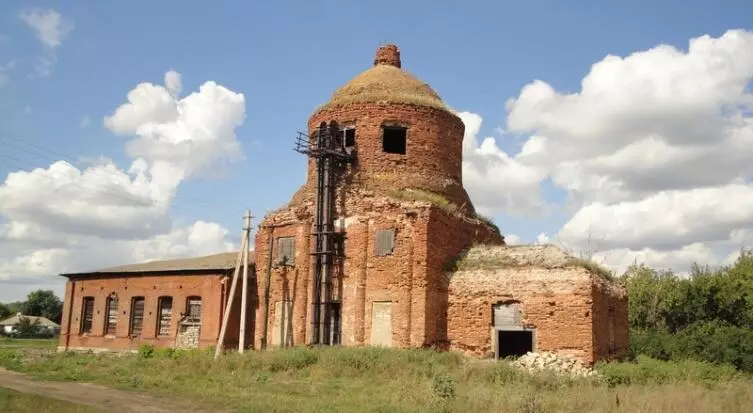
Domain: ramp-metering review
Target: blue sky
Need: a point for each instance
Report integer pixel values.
(287, 57)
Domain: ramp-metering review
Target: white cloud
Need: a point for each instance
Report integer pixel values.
(512, 239)
(65, 218)
(51, 29)
(638, 117)
(543, 239)
(50, 26)
(173, 82)
(653, 152)
(494, 180)
(85, 122)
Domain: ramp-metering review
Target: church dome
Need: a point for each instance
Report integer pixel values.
(386, 82)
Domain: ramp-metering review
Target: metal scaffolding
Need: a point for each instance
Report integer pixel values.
(326, 147)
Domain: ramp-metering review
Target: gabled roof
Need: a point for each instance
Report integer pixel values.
(13, 320)
(222, 261)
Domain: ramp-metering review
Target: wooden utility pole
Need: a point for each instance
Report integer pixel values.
(231, 295)
(244, 292)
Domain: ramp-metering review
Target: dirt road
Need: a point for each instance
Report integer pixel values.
(90, 394)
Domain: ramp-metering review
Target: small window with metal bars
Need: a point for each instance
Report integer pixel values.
(87, 315)
(286, 251)
(193, 310)
(164, 315)
(137, 316)
(111, 320)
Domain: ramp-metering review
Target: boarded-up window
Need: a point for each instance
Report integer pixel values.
(137, 316)
(164, 315)
(286, 251)
(385, 242)
(507, 315)
(282, 328)
(111, 321)
(381, 324)
(87, 314)
(193, 310)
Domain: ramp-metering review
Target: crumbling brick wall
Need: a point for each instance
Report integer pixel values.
(209, 287)
(433, 159)
(565, 303)
(611, 329)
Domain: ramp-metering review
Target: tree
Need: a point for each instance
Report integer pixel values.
(25, 328)
(43, 303)
(5, 311)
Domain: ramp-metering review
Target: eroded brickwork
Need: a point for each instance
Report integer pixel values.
(211, 287)
(568, 309)
(557, 303)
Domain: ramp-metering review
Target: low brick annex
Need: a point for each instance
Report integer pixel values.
(170, 303)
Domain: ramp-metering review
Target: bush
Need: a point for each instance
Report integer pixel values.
(717, 342)
(146, 351)
(646, 370)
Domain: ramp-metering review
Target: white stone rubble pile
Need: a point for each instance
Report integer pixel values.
(551, 362)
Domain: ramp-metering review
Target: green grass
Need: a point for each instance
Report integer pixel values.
(389, 380)
(6, 342)
(15, 402)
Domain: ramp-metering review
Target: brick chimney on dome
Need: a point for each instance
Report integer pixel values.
(388, 54)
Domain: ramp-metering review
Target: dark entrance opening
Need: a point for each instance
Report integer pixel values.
(514, 343)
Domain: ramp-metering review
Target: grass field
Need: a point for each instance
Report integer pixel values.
(381, 380)
(6, 342)
(14, 402)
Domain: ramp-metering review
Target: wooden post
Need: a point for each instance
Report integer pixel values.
(229, 305)
(244, 292)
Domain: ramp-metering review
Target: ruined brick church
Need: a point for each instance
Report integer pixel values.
(381, 246)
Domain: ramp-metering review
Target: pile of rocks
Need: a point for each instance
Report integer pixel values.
(551, 362)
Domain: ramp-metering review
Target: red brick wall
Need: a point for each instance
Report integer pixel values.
(426, 240)
(286, 282)
(208, 286)
(610, 301)
(433, 154)
(557, 302)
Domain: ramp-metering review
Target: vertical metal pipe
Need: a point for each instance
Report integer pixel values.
(267, 281)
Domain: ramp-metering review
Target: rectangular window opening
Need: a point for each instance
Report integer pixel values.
(111, 322)
(385, 242)
(164, 316)
(87, 315)
(350, 137)
(286, 251)
(193, 310)
(394, 139)
(137, 316)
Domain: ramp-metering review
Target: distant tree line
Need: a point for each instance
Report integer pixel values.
(706, 315)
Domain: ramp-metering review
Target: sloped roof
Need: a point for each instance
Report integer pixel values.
(222, 261)
(483, 257)
(386, 84)
(13, 320)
